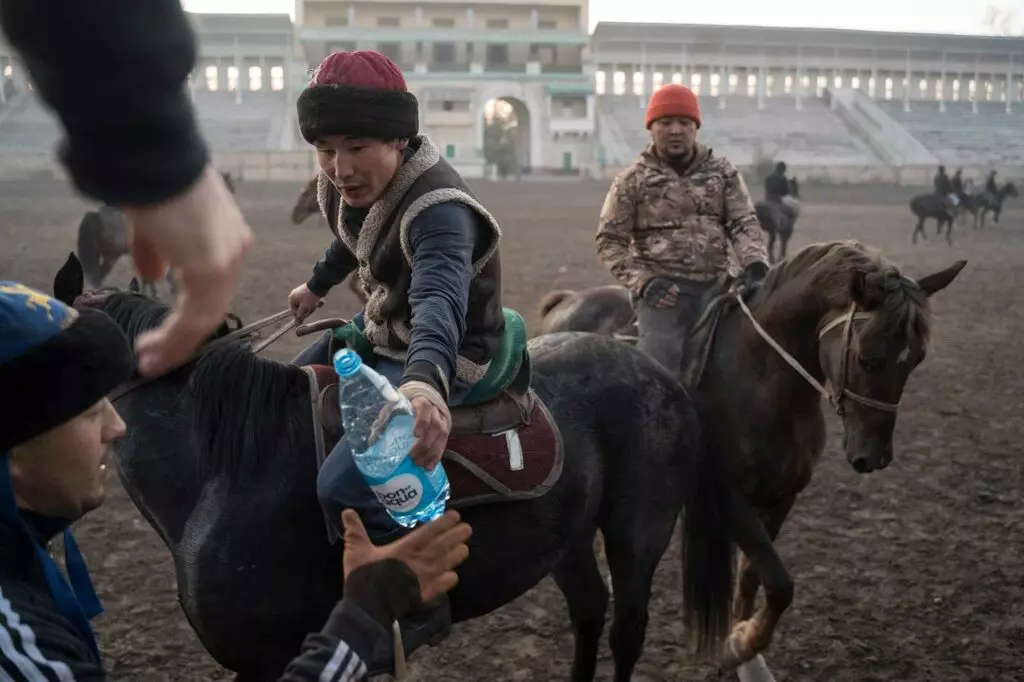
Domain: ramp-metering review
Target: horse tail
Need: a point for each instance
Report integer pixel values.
(707, 539)
(88, 246)
(552, 299)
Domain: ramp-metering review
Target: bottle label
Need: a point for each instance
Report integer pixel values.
(403, 490)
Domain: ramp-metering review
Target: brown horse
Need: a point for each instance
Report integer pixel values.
(836, 313)
(103, 239)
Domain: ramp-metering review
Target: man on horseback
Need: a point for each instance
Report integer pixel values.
(990, 184)
(426, 252)
(778, 191)
(668, 222)
(55, 448)
(944, 189)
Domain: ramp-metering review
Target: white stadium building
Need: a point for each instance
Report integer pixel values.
(837, 105)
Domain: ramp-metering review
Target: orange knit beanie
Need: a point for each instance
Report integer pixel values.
(673, 100)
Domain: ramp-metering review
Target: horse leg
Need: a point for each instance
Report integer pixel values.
(752, 636)
(918, 230)
(784, 239)
(633, 552)
(578, 577)
(949, 232)
(771, 246)
(749, 582)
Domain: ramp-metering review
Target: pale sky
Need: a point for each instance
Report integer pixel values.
(931, 16)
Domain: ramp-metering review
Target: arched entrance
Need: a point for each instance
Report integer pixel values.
(507, 135)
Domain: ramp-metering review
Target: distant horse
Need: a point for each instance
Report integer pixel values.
(932, 205)
(306, 204)
(837, 313)
(103, 239)
(775, 220)
(604, 310)
(987, 201)
(220, 456)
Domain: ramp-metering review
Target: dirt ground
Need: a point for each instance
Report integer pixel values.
(913, 573)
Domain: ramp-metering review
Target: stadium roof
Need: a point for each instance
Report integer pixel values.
(240, 23)
(622, 34)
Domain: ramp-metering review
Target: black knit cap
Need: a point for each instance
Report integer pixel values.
(358, 94)
(55, 362)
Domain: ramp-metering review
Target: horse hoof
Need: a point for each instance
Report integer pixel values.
(732, 656)
(755, 670)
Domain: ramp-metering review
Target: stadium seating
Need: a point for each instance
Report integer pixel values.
(959, 136)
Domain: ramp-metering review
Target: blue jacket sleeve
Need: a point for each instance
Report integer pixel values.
(442, 238)
(332, 269)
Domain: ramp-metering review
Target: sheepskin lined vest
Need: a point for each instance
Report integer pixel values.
(383, 250)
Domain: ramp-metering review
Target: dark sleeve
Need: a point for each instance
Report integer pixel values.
(115, 72)
(442, 238)
(37, 643)
(332, 269)
(338, 651)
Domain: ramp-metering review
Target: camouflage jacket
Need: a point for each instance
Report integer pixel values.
(657, 223)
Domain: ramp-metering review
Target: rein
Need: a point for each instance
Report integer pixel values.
(839, 392)
(248, 333)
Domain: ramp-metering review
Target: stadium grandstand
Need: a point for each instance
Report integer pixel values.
(522, 88)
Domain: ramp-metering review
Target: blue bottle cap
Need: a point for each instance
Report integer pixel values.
(347, 362)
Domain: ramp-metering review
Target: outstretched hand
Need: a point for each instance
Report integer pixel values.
(432, 551)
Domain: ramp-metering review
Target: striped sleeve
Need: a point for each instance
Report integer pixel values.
(337, 653)
(40, 646)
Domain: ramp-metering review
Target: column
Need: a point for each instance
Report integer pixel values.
(1009, 85)
(799, 78)
(723, 84)
(352, 14)
(910, 85)
(978, 89)
(942, 76)
(760, 84)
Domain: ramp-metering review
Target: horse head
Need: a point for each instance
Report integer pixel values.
(307, 203)
(869, 344)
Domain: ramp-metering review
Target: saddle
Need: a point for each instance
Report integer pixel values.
(716, 302)
(503, 450)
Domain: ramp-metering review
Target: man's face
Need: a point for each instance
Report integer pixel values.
(673, 136)
(361, 168)
(61, 473)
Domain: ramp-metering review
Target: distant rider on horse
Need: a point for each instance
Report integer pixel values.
(944, 189)
(780, 191)
(426, 253)
(667, 224)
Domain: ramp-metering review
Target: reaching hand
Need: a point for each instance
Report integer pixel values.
(432, 551)
(203, 235)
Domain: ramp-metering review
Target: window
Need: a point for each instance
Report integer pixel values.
(497, 23)
(212, 81)
(388, 22)
(448, 105)
(547, 25)
(255, 78)
(392, 51)
(336, 21)
(443, 22)
(449, 151)
(232, 78)
(444, 53)
(600, 82)
(497, 54)
(277, 78)
(715, 81)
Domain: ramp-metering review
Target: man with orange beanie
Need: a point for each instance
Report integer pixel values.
(667, 223)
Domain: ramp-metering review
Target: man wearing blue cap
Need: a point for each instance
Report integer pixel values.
(57, 365)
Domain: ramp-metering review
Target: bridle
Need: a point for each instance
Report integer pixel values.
(836, 397)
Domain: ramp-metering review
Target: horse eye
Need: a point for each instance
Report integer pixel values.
(870, 365)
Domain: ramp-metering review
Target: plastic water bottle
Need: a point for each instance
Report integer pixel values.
(410, 493)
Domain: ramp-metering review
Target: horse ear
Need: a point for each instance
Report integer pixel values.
(938, 281)
(134, 286)
(69, 282)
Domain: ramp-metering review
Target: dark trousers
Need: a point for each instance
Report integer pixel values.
(664, 332)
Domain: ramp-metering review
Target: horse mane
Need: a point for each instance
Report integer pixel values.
(832, 270)
(246, 412)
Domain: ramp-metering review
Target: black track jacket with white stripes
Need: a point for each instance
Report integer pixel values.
(37, 644)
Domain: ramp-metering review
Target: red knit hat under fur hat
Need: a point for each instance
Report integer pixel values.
(357, 94)
(673, 100)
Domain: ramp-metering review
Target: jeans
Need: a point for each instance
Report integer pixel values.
(340, 485)
(664, 332)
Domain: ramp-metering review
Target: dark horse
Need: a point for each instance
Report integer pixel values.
(103, 239)
(932, 205)
(219, 458)
(985, 202)
(775, 220)
(845, 315)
